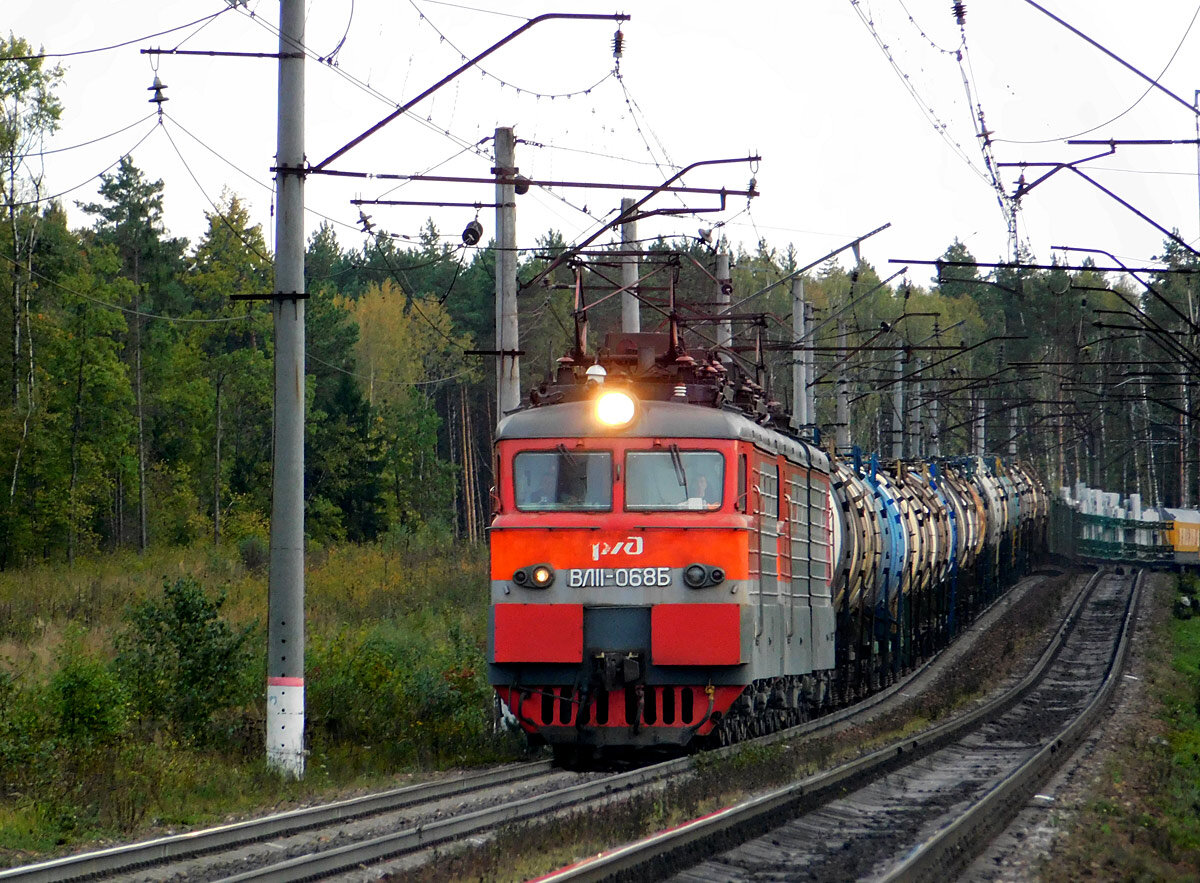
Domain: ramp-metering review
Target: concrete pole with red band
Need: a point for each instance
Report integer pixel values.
(285, 589)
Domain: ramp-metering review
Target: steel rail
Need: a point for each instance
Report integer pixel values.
(634, 860)
(420, 836)
(162, 849)
(949, 850)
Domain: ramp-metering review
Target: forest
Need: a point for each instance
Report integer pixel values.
(137, 388)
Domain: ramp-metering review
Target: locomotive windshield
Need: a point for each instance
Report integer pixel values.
(563, 481)
(674, 479)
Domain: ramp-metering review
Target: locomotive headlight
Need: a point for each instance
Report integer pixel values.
(697, 576)
(615, 408)
(540, 576)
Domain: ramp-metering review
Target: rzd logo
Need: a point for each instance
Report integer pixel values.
(627, 546)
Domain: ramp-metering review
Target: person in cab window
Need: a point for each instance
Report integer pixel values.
(545, 493)
(536, 490)
(701, 497)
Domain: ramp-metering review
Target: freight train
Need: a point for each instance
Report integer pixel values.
(671, 567)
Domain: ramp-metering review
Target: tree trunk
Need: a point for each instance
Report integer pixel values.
(452, 432)
(21, 297)
(76, 430)
(217, 468)
(143, 534)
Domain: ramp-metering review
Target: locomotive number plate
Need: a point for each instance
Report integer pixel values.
(622, 577)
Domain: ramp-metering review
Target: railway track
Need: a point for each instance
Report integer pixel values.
(917, 809)
(325, 840)
(164, 853)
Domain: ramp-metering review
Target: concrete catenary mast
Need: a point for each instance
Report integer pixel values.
(508, 365)
(285, 589)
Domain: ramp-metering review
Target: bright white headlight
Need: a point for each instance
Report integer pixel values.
(614, 408)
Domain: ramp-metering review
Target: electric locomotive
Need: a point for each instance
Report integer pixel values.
(667, 568)
(654, 555)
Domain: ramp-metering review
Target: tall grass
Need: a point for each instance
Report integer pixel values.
(395, 683)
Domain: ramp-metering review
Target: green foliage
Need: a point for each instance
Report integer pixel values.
(24, 728)
(29, 109)
(89, 702)
(254, 552)
(410, 697)
(1188, 583)
(182, 662)
(176, 514)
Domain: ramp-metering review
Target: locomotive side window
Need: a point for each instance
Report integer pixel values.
(822, 541)
(674, 479)
(768, 517)
(800, 518)
(563, 481)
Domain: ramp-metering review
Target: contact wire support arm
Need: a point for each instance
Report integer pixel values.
(632, 211)
(404, 108)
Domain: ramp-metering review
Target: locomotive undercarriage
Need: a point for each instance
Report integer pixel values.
(619, 707)
(771, 704)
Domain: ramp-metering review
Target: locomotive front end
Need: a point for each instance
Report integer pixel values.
(619, 611)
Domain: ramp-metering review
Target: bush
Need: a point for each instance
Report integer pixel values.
(89, 703)
(174, 509)
(181, 661)
(397, 692)
(254, 552)
(24, 732)
(1188, 583)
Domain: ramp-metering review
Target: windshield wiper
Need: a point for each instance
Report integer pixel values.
(677, 462)
(572, 459)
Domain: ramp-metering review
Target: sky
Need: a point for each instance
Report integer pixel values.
(863, 113)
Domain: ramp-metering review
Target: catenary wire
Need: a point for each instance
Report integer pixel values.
(217, 211)
(263, 184)
(427, 123)
(86, 143)
(1136, 102)
(477, 9)
(441, 34)
(89, 180)
(941, 128)
(376, 380)
(205, 19)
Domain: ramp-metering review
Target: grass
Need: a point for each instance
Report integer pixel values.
(1142, 821)
(395, 675)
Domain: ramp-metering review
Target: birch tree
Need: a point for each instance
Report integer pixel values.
(29, 113)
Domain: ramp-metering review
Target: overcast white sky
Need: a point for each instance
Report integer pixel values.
(845, 147)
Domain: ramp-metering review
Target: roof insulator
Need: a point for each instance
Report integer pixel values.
(158, 97)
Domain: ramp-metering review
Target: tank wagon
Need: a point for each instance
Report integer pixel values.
(668, 567)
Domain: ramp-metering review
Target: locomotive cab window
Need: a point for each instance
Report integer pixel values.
(674, 479)
(563, 481)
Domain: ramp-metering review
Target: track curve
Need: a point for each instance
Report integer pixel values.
(884, 816)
